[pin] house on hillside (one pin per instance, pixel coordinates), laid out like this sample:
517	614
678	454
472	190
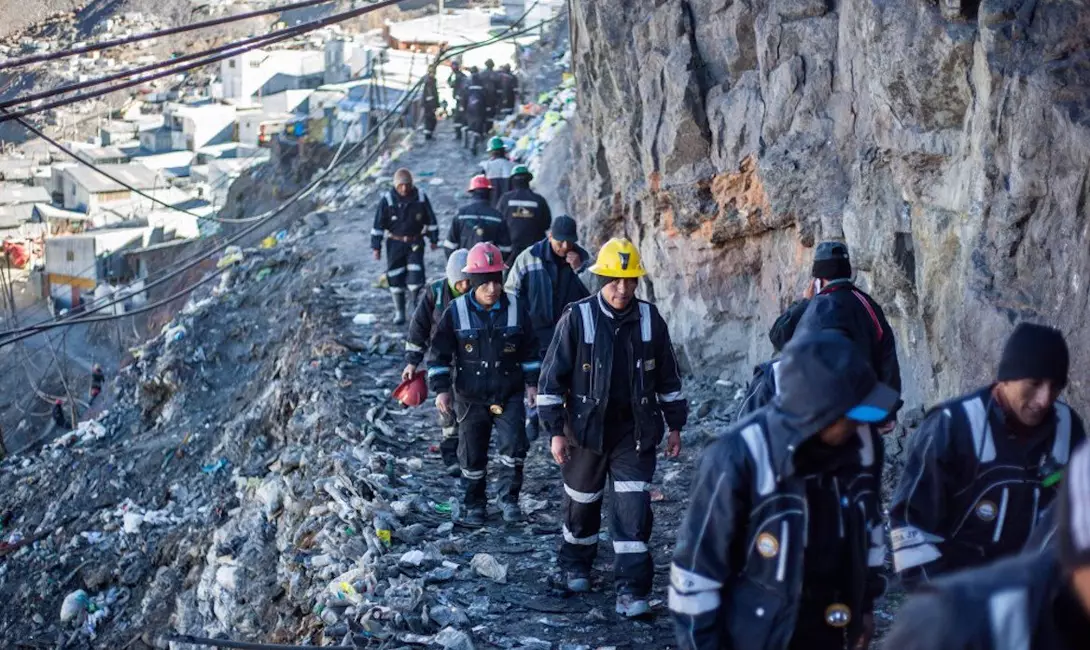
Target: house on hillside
265	72
85	190
76	264
17	207
194	126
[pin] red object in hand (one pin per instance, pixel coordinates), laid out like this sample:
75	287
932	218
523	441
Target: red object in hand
413	391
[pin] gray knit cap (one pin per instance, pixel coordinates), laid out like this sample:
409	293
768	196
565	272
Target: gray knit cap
455	263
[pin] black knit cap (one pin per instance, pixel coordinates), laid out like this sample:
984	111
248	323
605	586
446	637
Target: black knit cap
784	327
831	261
1035	352
479	279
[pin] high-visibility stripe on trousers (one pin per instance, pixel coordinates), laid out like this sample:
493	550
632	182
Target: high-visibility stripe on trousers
475	425
405	265
630	475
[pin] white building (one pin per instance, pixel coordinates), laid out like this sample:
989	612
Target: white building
86	190
266	72
288	101
76	264
194	126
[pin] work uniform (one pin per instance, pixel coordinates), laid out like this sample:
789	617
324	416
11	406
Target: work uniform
1021	603
843	307
527	216
547	284
476	111
421	330
609	380
761	389
509	88
498	171
430	101
972	490
458	82
492	355
782	531
477	222
490	83
404	222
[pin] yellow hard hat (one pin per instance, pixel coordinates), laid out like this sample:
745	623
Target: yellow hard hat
618	259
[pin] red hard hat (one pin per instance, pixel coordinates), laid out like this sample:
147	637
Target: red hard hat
479	182
484	258
412	392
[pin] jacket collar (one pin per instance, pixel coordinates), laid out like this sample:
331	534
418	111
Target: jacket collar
632	314
472	299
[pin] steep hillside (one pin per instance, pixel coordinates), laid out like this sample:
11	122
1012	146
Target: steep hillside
948	148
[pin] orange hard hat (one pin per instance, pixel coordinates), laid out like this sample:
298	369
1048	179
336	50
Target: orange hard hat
479	182
484	257
413	391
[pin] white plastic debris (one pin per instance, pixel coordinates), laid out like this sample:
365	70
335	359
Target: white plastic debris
487	566
413	558
132	522
364	319
452	639
73	604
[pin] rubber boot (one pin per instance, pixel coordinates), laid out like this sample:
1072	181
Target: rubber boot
399	308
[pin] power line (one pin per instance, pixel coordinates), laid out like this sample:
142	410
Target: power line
275	37
95	47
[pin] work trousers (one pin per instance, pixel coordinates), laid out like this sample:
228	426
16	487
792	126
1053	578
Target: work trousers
429	120
630	473
475	424
448	445
405	265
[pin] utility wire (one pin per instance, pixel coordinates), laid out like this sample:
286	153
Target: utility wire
275	37
95	47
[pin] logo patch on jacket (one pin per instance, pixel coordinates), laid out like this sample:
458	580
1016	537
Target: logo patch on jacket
522	213
649	364
985	510
767	545
509	348
469	347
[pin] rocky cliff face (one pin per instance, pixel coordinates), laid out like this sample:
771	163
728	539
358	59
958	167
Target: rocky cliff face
948	144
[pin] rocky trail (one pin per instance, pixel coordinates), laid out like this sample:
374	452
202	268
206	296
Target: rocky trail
241	483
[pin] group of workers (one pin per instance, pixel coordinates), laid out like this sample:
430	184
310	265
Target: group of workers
480	98
784	544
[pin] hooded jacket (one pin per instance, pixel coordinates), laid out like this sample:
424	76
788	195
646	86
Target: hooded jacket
761	389
527	216
969	493
426	317
534	277
485	355
737	577
404	216
477	222
843	307
1009	605
576	375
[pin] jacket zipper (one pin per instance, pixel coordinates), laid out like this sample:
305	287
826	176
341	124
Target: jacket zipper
839	507
1002	516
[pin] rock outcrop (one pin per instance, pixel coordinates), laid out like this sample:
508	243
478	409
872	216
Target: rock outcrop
948	143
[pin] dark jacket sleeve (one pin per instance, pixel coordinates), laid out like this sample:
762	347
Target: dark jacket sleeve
876	538
759	393
919	502
450	244
929	621
419	337
675	408
503	238
530	352
545	215
378	229
555	380
441	357
890	371
702	558
433	223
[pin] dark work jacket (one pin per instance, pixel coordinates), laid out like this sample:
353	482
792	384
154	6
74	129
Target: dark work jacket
737	576
534	275
527	216
458	82
476	106
409	216
490	82
431	94
576	375
491	354
477	222
425	319
509	89
844	307
971	494
1009	605
761	389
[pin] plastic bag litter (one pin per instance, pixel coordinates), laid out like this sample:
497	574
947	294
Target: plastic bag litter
73	604
487	566
231	255
364	319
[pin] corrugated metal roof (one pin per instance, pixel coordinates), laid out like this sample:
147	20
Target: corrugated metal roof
137	176
19	194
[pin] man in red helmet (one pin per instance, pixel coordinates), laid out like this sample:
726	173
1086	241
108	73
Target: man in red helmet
484	351
478	221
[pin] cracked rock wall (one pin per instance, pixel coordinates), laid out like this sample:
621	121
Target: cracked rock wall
948	146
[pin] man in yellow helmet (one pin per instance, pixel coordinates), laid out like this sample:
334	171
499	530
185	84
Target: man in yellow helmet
609	390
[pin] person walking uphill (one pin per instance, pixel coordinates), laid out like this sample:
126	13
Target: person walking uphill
485	352
982	468
837	304
478	221
525	212
404	218
762	388
421	330
1038	600
497	169
609	380
782	546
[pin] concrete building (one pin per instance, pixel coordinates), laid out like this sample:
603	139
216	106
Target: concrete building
117	132
345	59
289	101
156	140
86	190
76	264
258	128
266	72
195	126
99	155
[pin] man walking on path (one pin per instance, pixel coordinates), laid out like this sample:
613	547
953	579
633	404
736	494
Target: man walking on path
404	218
525	212
477	221
609	381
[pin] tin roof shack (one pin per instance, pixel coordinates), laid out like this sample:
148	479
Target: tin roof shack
17	208
99	155
17	169
86	190
266	72
59	221
115	132
76	264
257	127
194	126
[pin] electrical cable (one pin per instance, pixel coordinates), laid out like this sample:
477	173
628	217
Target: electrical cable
275	37
95	47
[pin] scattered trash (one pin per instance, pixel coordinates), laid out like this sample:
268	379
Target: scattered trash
231	255
364	319
74	604
485	565
212	468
